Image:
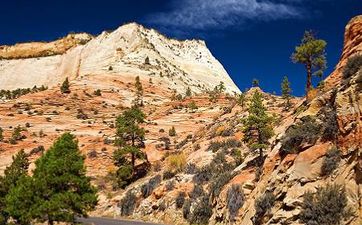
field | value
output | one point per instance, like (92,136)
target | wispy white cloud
(221,14)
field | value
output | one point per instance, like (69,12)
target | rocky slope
(129,50)
(208,140)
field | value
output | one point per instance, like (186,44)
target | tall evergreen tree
(129,140)
(286,92)
(258,125)
(139,92)
(12,174)
(63,191)
(65,86)
(311,53)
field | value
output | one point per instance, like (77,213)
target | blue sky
(251,38)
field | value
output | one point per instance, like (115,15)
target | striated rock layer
(131,49)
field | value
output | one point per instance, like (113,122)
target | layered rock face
(129,50)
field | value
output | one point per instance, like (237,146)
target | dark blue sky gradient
(250,50)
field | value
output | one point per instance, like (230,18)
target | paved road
(109,221)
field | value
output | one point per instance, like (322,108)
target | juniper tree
(129,140)
(188,92)
(65,86)
(258,125)
(311,53)
(139,92)
(63,191)
(12,174)
(255,82)
(286,92)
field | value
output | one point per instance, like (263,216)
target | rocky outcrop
(129,50)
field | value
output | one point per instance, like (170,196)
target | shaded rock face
(129,50)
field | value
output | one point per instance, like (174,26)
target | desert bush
(197,192)
(331,161)
(330,126)
(172,132)
(305,131)
(37,150)
(353,65)
(218,182)
(168,175)
(148,187)
(182,143)
(202,212)
(127,204)
(97,92)
(204,175)
(180,199)
(170,185)
(328,206)
(234,200)
(191,168)
(176,162)
(229,143)
(263,205)
(92,154)
(186,209)
(1,134)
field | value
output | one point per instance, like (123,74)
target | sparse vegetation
(328,206)
(180,200)
(202,212)
(331,161)
(286,92)
(138,102)
(148,187)
(354,64)
(128,204)
(13,94)
(305,131)
(176,162)
(98,92)
(263,205)
(65,87)
(234,200)
(188,92)
(172,132)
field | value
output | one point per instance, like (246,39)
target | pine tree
(129,140)
(311,53)
(188,92)
(65,86)
(286,92)
(258,125)
(12,174)
(139,92)
(63,191)
(255,82)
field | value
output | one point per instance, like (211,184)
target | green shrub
(305,131)
(202,212)
(180,199)
(354,64)
(328,206)
(263,205)
(65,87)
(186,209)
(168,175)
(331,161)
(197,192)
(235,200)
(148,188)
(97,92)
(127,204)
(172,132)
(330,127)
(218,182)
